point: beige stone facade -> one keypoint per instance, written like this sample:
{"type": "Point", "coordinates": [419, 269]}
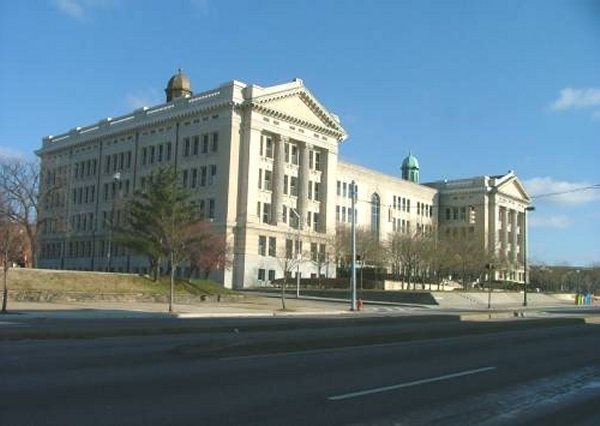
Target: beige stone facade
{"type": "Point", "coordinates": [261, 162]}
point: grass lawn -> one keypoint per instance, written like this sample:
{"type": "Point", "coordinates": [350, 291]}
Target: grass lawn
{"type": "Point", "coordinates": [52, 281]}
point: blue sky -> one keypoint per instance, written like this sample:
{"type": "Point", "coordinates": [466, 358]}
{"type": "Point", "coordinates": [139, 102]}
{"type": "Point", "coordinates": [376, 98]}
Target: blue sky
{"type": "Point", "coordinates": [470, 87]}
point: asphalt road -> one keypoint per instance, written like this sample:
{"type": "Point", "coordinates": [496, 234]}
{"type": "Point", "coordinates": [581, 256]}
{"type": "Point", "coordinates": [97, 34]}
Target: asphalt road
{"type": "Point", "coordinates": [546, 375]}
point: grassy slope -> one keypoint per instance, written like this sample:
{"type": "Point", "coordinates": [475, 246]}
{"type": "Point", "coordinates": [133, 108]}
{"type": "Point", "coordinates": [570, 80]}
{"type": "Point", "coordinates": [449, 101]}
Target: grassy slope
{"type": "Point", "coordinates": [39, 280]}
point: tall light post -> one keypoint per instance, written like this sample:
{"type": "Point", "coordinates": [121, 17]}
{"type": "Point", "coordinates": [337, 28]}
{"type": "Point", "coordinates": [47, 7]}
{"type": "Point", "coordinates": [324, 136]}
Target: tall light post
{"type": "Point", "coordinates": [116, 180]}
{"type": "Point", "coordinates": [298, 252]}
{"type": "Point", "coordinates": [525, 266]}
{"type": "Point", "coordinates": [353, 276]}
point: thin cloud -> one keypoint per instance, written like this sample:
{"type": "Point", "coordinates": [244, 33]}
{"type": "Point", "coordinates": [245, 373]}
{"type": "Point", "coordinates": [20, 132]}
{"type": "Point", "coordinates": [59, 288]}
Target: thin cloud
{"type": "Point", "coordinates": [81, 9]}
{"type": "Point", "coordinates": [576, 99]}
{"type": "Point", "coordinates": [9, 153]}
{"type": "Point", "coordinates": [141, 99]}
{"type": "Point", "coordinates": [562, 192]}
{"type": "Point", "coordinates": [557, 222]}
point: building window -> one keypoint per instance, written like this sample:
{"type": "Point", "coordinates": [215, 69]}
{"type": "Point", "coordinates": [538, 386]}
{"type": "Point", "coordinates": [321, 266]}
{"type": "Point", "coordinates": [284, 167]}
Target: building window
{"type": "Point", "coordinates": [215, 142]}
{"type": "Point", "coordinates": [289, 249]}
{"type": "Point", "coordinates": [271, 274]}
{"type": "Point", "coordinates": [203, 176]}
{"type": "Point", "coordinates": [295, 154]}
{"type": "Point", "coordinates": [185, 178]}
{"type": "Point", "coordinates": [260, 178]}
{"type": "Point", "coordinates": [261, 274]}
{"type": "Point", "coordinates": [262, 245]}
{"type": "Point", "coordinates": [211, 208]}
{"type": "Point", "coordinates": [186, 147]}
{"type": "Point", "coordinates": [212, 178]}
{"type": "Point", "coordinates": [160, 153]}
{"type": "Point", "coordinates": [152, 149]}
{"type": "Point", "coordinates": [269, 147]}
{"type": "Point", "coordinates": [266, 216]}
{"type": "Point", "coordinates": [375, 214]}
{"type": "Point", "coordinates": [313, 252]}
{"type": "Point", "coordinates": [316, 221]}
{"type": "Point", "coordinates": [194, 177]}
{"type": "Point", "coordinates": [339, 188]}
{"type": "Point", "coordinates": [196, 145]}
{"type": "Point", "coordinates": [168, 151]}
{"type": "Point", "coordinates": [317, 161]}
{"type": "Point", "coordinates": [205, 143]}
{"type": "Point", "coordinates": [337, 213]}
{"type": "Point", "coordinates": [268, 180]}
{"type": "Point", "coordinates": [317, 191]}
{"type": "Point", "coordinates": [272, 246]}
{"type": "Point", "coordinates": [294, 186]}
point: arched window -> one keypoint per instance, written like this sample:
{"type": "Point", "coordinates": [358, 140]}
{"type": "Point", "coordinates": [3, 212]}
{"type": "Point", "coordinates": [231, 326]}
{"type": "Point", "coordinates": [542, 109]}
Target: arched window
{"type": "Point", "coordinates": [375, 214]}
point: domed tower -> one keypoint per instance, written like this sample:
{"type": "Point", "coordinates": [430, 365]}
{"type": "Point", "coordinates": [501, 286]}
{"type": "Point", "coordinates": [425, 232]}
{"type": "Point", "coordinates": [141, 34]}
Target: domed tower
{"type": "Point", "coordinates": [410, 168]}
{"type": "Point", "coordinates": [178, 86]}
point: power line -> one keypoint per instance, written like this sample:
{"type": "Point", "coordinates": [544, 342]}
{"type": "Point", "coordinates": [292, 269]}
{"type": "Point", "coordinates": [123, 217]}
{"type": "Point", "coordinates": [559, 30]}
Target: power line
{"type": "Point", "coordinates": [568, 191]}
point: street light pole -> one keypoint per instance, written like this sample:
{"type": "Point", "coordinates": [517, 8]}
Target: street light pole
{"type": "Point", "coordinates": [353, 276]}
{"type": "Point", "coordinates": [525, 266]}
{"type": "Point", "coordinates": [298, 252]}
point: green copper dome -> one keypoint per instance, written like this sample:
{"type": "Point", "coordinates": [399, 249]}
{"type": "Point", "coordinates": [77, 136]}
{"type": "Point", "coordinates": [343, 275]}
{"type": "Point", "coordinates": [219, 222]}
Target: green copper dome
{"type": "Point", "coordinates": [410, 168]}
{"type": "Point", "coordinates": [410, 162]}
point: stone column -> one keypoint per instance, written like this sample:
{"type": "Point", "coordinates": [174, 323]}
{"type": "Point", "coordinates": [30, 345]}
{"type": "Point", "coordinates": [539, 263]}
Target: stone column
{"type": "Point", "coordinates": [514, 243]}
{"type": "Point", "coordinates": [277, 183]}
{"type": "Point", "coordinates": [303, 175]}
{"type": "Point", "coordinates": [505, 231]}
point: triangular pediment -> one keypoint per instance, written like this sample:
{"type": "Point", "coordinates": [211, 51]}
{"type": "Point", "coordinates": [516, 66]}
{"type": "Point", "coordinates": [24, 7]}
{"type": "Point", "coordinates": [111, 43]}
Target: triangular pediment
{"type": "Point", "coordinates": [295, 106]}
{"type": "Point", "coordinates": [515, 189]}
{"type": "Point", "coordinates": [294, 103]}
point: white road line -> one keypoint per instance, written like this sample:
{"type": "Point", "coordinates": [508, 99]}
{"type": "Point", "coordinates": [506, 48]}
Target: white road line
{"type": "Point", "coordinates": [409, 384]}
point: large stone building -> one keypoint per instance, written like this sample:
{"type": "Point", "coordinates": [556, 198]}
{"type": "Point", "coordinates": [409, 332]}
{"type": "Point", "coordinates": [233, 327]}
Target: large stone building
{"type": "Point", "coordinates": [262, 164]}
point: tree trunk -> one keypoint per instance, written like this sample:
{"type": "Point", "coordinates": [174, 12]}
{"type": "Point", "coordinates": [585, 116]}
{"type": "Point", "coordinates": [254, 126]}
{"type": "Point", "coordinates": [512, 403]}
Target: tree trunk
{"type": "Point", "coordinates": [5, 290]}
{"type": "Point", "coordinates": [283, 284]}
{"type": "Point", "coordinates": [171, 286]}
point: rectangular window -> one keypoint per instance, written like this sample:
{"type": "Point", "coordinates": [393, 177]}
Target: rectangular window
{"type": "Point", "coordinates": [107, 165]}
{"type": "Point", "coordinates": [418, 208]}
{"type": "Point", "coordinates": [194, 177]}
{"type": "Point", "coordinates": [114, 160]}
{"type": "Point", "coordinates": [128, 162]}
{"type": "Point", "coordinates": [313, 252]}
{"type": "Point", "coordinates": [272, 246]}
{"type": "Point", "coordinates": [271, 274]}
{"type": "Point", "coordinates": [350, 215]}
{"type": "Point", "coordinates": [215, 142]}
{"type": "Point", "coordinates": [286, 152]}
{"type": "Point", "coordinates": [295, 154]}
{"type": "Point", "coordinates": [317, 191]}
{"type": "Point", "coordinates": [408, 205]}
{"type": "Point", "coordinates": [261, 274]}
{"type": "Point", "coordinates": [186, 147]}
{"type": "Point", "coordinates": [311, 163]}
{"type": "Point", "coordinates": [285, 184]}
{"type": "Point", "coordinates": [211, 208]}
{"type": "Point", "coordinates": [317, 161]}
{"type": "Point", "coordinates": [196, 145]}
{"type": "Point", "coordinates": [463, 214]}
{"type": "Point", "coordinates": [344, 190]}
{"type": "Point", "coordinates": [160, 153]}
{"type": "Point", "coordinates": [202, 208]}
{"type": "Point", "coordinates": [262, 245]}
{"type": "Point", "coordinates": [266, 217]}
{"type": "Point", "coordinates": [185, 178]}
{"type": "Point", "coordinates": [294, 186]}
{"type": "Point", "coordinates": [203, 176]}
{"type": "Point", "coordinates": [268, 180]}
{"type": "Point", "coordinates": [316, 217]}
{"type": "Point", "coordinates": [343, 214]}
{"type": "Point", "coordinates": [337, 213]}
{"type": "Point", "coordinates": [205, 143]}
{"type": "Point", "coordinates": [168, 151]}
{"type": "Point", "coordinates": [269, 147]}
{"type": "Point", "coordinates": [212, 179]}
{"type": "Point", "coordinates": [339, 188]}
{"type": "Point", "coordinates": [152, 149]}
{"type": "Point", "coordinates": [289, 249]}
{"type": "Point", "coordinates": [455, 213]}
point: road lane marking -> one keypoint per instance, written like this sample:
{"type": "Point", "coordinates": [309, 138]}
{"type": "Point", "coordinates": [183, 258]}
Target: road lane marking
{"type": "Point", "coordinates": [409, 384]}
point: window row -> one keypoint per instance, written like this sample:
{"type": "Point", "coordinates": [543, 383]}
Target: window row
{"type": "Point", "coordinates": [117, 162]}
{"type": "Point", "coordinates": [460, 214]}
{"type": "Point", "coordinates": [117, 188]}
{"type": "Point", "coordinates": [291, 153]}
{"type": "Point", "coordinates": [262, 274]}
{"type": "Point", "coordinates": [84, 195]}
{"type": "Point", "coordinates": [344, 214]}
{"type": "Point", "coordinates": [199, 177]}
{"type": "Point", "coordinates": [85, 168]}
{"type": "Point", "coordinates": [344, 189]}
{"type": "Point", "coordinates": [267, 246]}
{"type": "Point", "coordinates": [82, 222]}
{"type": "Point", "coordinates": [192, 145]}
{"type": "Point", "coordinates": [156, 153]}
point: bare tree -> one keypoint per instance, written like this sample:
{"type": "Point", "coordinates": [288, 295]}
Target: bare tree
{"type": "Point", "coordinates": [289, 257]}
{"type": "Point", "coordinates": [408, 252]}
{"type": "Point", "coordinates": [210, 252]}
{"type": "Point", "coordinates": [11, 247]}
{"type": "Point", "coordinates": [19, 184]}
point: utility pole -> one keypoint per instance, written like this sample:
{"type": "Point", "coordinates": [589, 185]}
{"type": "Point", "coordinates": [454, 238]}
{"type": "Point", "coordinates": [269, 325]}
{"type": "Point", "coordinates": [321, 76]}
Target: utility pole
{"type": "Point", "coordinates": [490, 267]}
{"type": "Point", "coordinates": [525, 266]}
{"type": "Point", "coordinates": [353, 276]}
{"type": "Point", "coordinates": [298, 251]}
{"type": "Point", "coordinates": [116, 181]}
